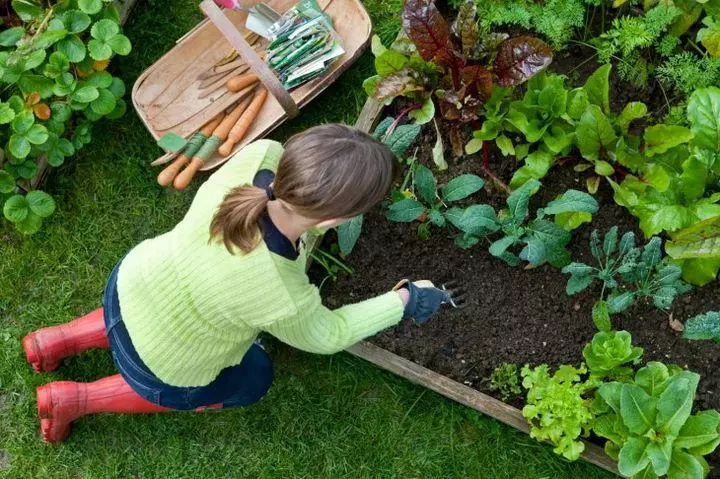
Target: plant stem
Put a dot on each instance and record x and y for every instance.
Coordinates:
(43, 24)
(486, 156)
(400, 116)
(332, 258)
(497, 180)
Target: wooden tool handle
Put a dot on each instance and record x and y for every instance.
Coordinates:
(166, 176)
(183, 179)
(239, 82)
(243, 124)
(229, 121)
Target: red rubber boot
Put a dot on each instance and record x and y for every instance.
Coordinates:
(46, 348)
(62, 402)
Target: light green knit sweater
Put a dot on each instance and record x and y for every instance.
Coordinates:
(191, 308)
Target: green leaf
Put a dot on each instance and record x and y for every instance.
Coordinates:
(652, 253)
(402, 138)
(387, 63)
(505, 145)
(120, 44)
(620, 302)
(9, 37)
(30, 225)
(702, 326)
(578, 283)
(577, 103)
(90, 6)
(473, 146)
(499, 248)
(438, 151)
(23, 121)
(657, 177)
(405, 211)
(100, 79)
(7, 114)
(461, 187)
(660, 454)
(475, 220)
(436, 218)
(370, 85)
(27, 10)
(653, 378)
(637, 408)
(675, 403)
(19, 146)
(597, 88)
(117, 87)
(536, 166)
(424, 114)
(533, 252)
(40, 203)
(36, 83)
(553, 238)
(632, 111)
(572, 201)
(348, 234)
(120, 108)
(99, 50)
(610, 241)
(85, 94)
(16, 208)
(685, 466)
(376, 46)
(710, 36)
(594, 133)
(700, 433)
(57, 64)
(601, 316)
(73, 48)
(37, 134)
(660, 138)
(633, 458)
(425, 184)
(60, 111)
(519, 199)
(703, 113)
(7, 182)
(572, 221)
(76, 21)
(104, 104)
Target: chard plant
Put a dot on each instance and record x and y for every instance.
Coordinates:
(465, 65)
(626, 273)
(649, 425)
(53, 62)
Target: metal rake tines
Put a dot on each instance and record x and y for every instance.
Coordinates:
(457, 295)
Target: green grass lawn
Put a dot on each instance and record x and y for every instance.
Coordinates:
(324, 417)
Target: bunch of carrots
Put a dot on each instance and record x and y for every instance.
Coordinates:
(228, 128)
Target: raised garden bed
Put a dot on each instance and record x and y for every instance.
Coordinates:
(516, 314)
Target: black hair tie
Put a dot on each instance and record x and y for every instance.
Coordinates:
(269, 193)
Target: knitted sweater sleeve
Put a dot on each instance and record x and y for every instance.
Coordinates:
(317, 329)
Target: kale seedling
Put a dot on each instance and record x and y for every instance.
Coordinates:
(628, 273)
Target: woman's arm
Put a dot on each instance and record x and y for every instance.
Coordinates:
(320, 330)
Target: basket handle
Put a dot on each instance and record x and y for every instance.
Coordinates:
(267, 77)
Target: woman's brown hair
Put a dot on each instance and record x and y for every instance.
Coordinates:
(326, 172)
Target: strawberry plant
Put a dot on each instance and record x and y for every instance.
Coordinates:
(627, 273)
(52, 62)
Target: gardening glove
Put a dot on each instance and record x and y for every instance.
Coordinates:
(426, 299)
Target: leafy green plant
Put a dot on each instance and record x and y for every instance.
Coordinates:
(627, 273)
(429, 205)
(704, 326)
(558, 407)
(505, 380)
(649, 426)
(674, 188)
(697, 250)
(53, 66)
(608, 352)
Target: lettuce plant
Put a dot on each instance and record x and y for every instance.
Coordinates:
(627, 273)
(649, 426)
(505, 380)
(558, 407)
(608, 352)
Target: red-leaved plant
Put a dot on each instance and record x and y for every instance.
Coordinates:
(469, 66)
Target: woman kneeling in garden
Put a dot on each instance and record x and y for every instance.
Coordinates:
(181, 311)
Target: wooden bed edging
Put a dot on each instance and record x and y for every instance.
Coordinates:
(463, 394)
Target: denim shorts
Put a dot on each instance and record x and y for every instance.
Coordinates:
(238, 385)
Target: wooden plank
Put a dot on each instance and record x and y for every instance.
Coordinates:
(369, 115)
(463, 394)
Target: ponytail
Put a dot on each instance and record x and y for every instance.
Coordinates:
(236, 221)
